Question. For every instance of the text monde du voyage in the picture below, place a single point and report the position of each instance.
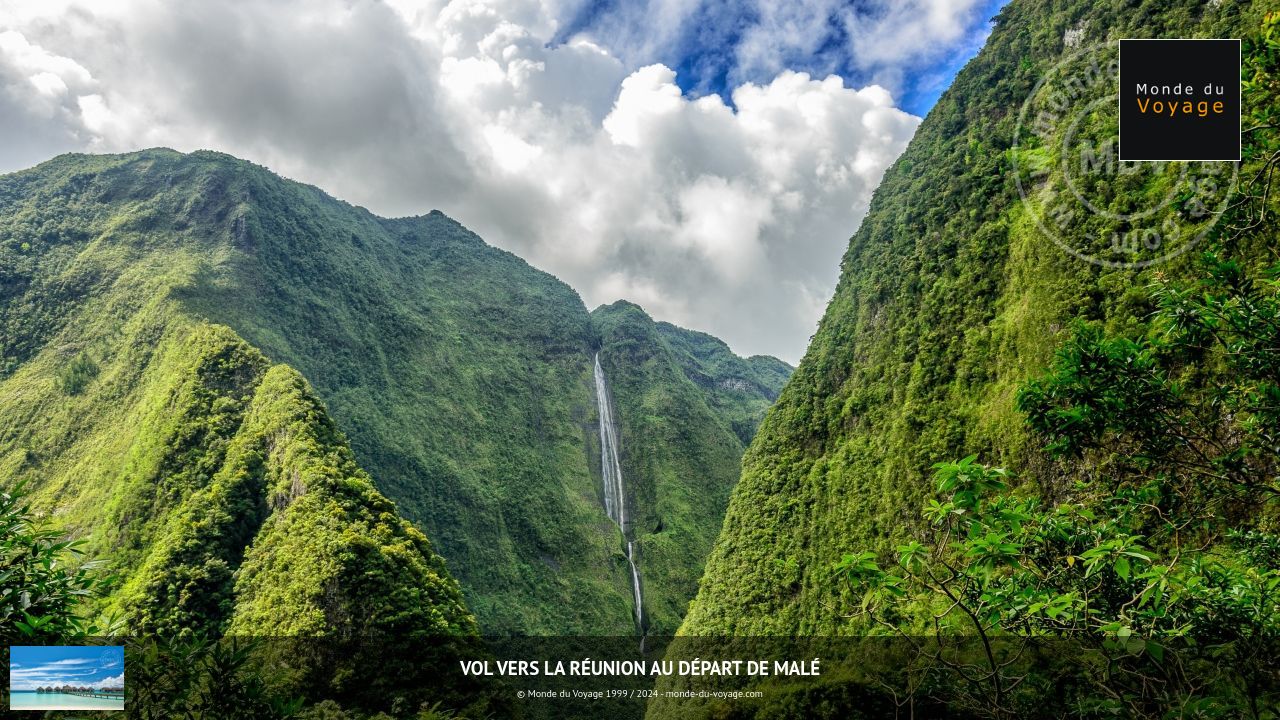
(1181, 99)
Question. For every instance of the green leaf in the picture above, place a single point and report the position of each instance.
(1155, 650)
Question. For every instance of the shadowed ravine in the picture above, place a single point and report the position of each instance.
(615, 497)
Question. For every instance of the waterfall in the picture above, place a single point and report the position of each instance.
(615, 497)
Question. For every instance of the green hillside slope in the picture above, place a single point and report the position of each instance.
(189, 459)
(949, 299)
(681, 399)
(461, 376)
(738, 389)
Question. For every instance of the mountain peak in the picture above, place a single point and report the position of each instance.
(458, 376)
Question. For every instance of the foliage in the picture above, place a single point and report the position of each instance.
(333, 555)
(1155, 555)
(1260, 145)
(288, 537)
(43, 578)
(1211, 444)
(949, 298)
(1162, 616)
(329, 710)
(460, 375)
(738, 389)
(681, 400)
(197, 679)
(77, 374)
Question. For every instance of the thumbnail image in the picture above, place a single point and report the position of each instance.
(66, 678)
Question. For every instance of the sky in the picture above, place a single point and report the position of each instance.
(707, 159)
(33, 667)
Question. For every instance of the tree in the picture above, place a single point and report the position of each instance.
(1143, 578)
(1147, 621)
(43, 579)
(201, 679)
(1154, 563)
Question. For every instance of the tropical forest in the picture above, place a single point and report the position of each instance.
(301, 460)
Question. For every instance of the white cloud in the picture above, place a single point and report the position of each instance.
(903, 35)
(726, 219)
(884, 40)
(39, 101)
(900, 30)
(113, 681)
(879, 34)
(71, 671)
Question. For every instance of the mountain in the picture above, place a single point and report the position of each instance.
(949, 299)
(738, 389)
(222, 379)
(684, 404)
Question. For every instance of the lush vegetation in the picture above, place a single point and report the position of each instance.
(141, 296)
(193, 677)
(217, 486)
(288, 536)
(683, 403)
(43, 579)
(1130, 566)
(223, 458)
(738, 389)
(1159, 559)
(950, 299)
(48, 591)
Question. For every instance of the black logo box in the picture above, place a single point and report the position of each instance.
(1180, 65)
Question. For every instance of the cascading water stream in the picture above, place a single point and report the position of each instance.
(615, 497)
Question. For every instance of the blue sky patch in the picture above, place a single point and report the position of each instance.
(714, 45)
(32, 667)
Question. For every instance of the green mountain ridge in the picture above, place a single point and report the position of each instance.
(676, 389)
(949, 299)
(141, 296)
(230, 463)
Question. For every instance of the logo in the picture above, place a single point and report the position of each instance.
(1079, 192)
(1180, 100)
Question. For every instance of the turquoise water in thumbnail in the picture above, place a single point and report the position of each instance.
(30, 700)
